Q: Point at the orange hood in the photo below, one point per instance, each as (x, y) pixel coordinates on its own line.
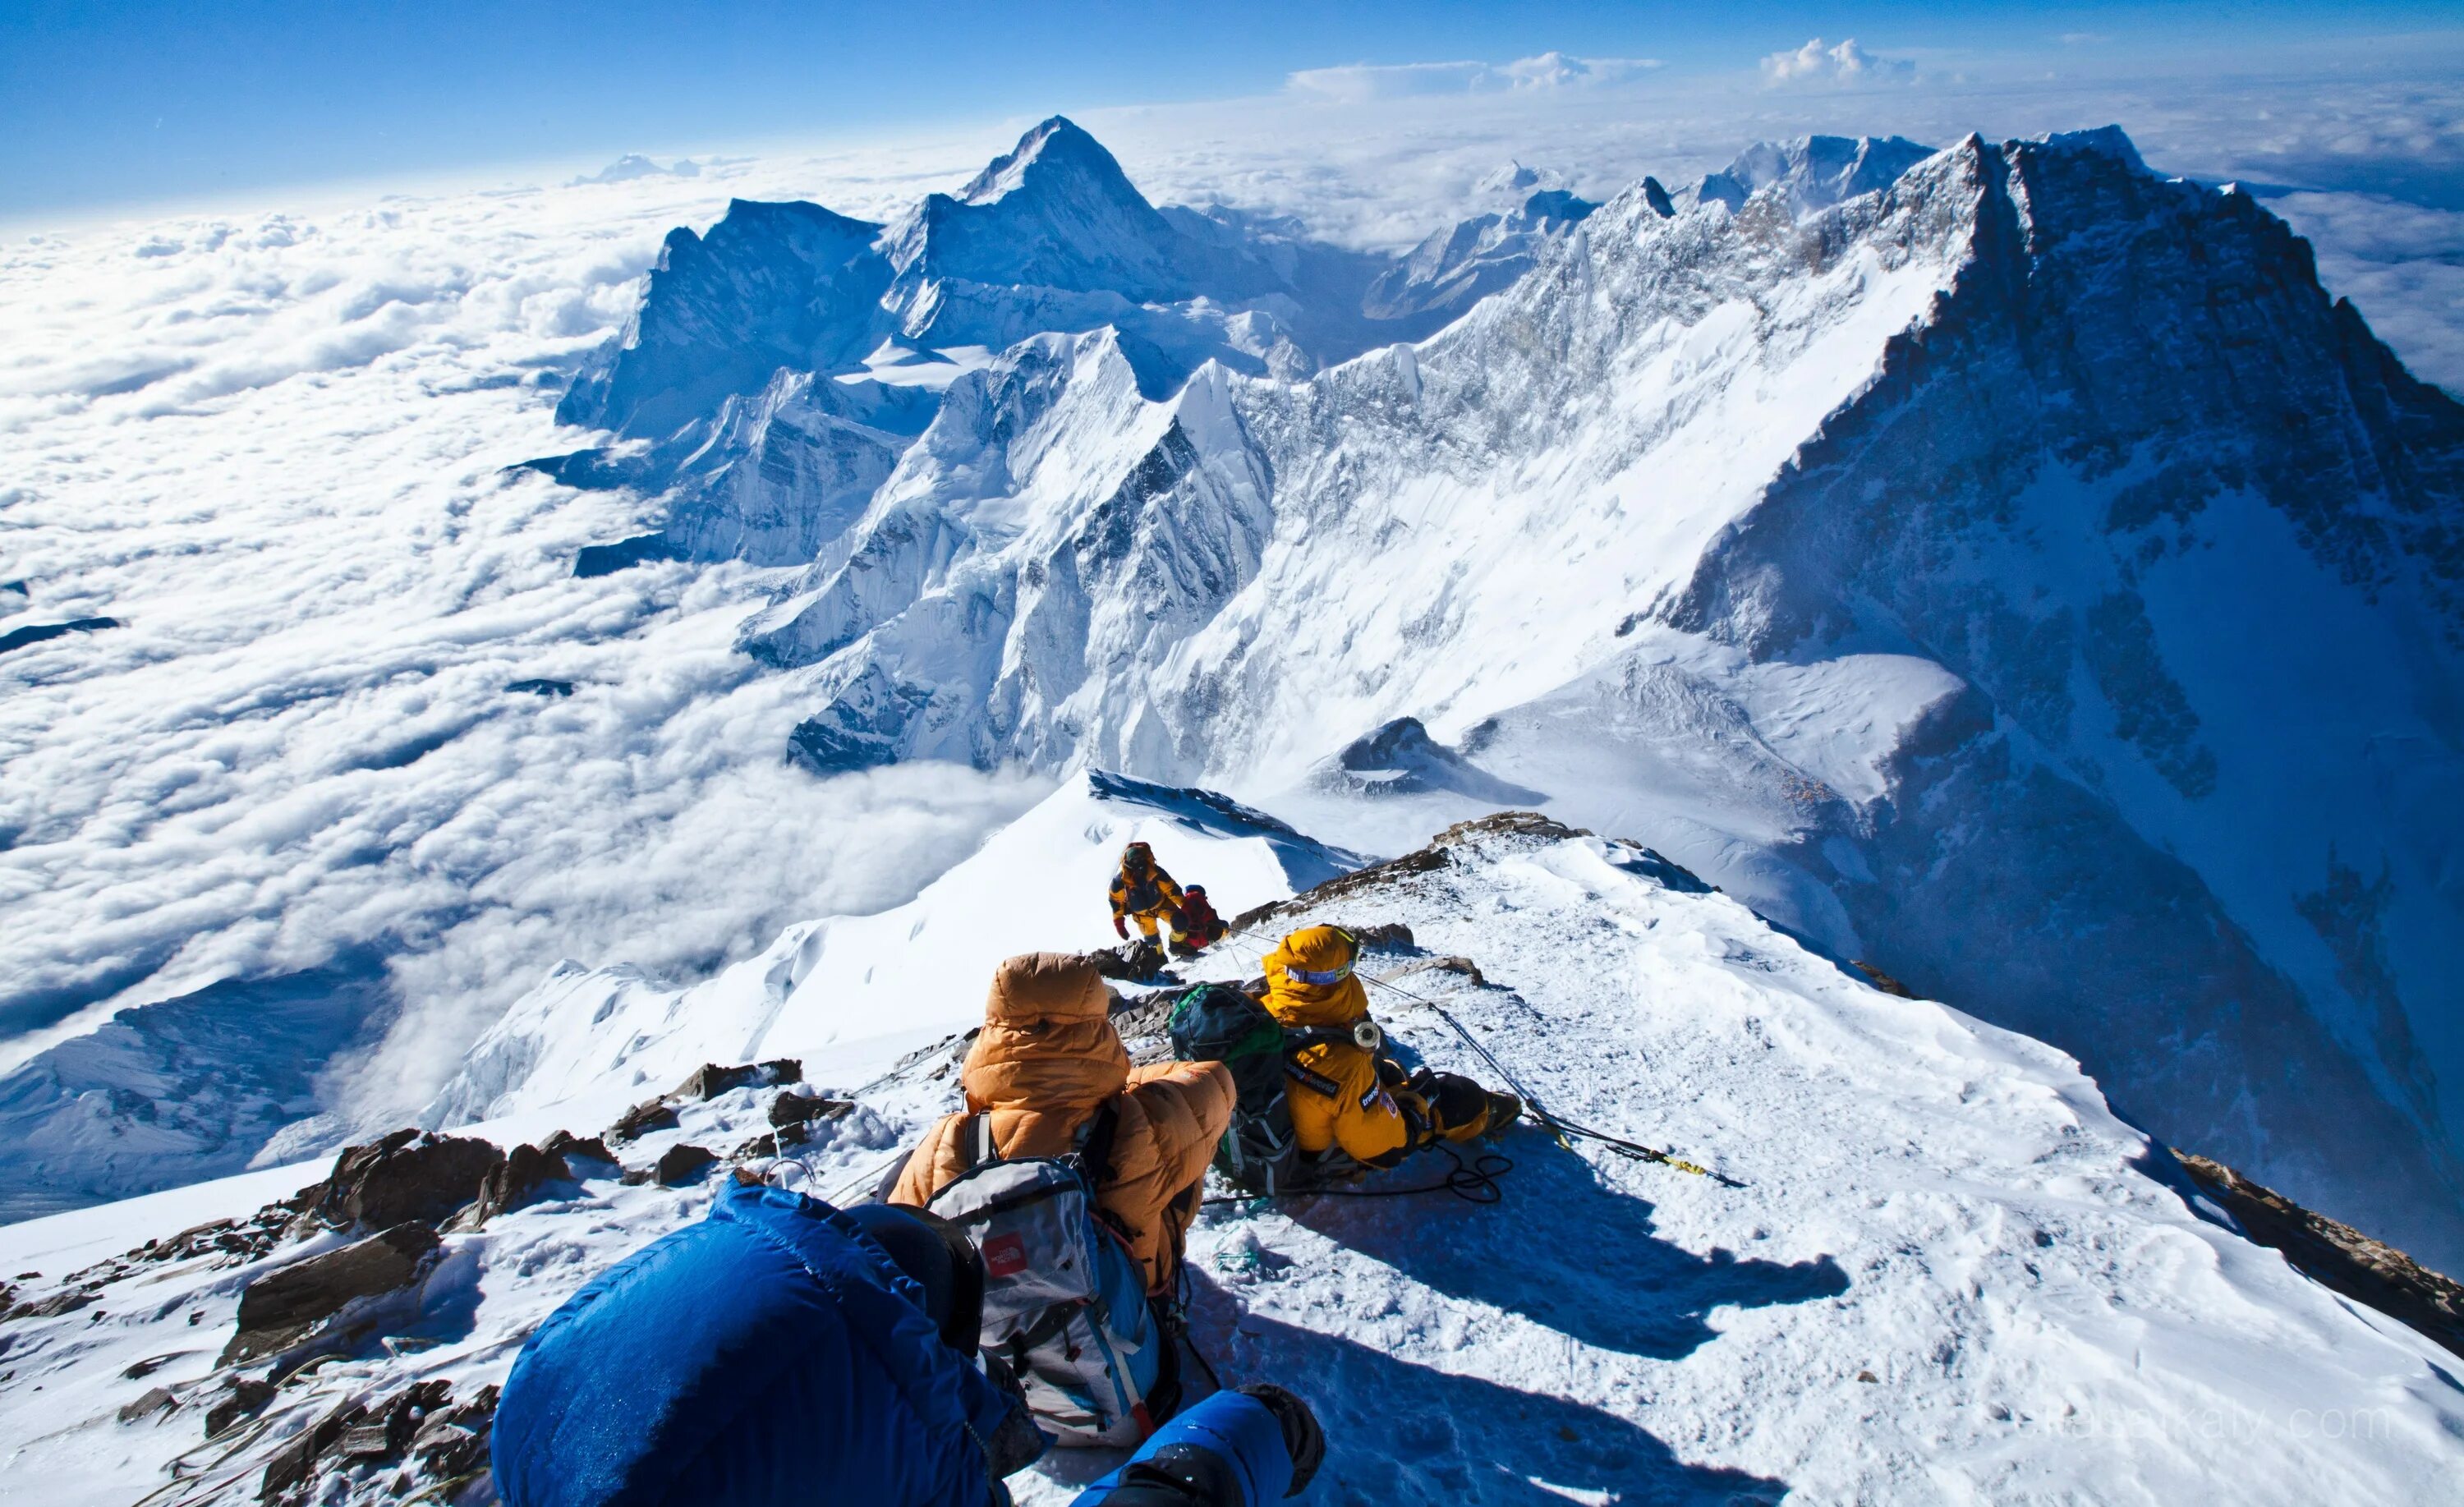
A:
(1047, 1048)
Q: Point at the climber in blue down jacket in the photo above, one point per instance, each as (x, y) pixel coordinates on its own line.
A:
(780, 1351)
(783, 1351)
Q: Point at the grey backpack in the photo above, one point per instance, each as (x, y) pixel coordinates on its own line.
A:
(1065, 1303)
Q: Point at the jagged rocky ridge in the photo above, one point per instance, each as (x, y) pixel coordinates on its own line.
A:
(2005, 564)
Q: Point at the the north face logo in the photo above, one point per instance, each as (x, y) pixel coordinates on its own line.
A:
(1005, 1256)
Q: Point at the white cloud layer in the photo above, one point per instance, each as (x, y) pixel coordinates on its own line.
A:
(1848, 63)
(1361, 84)
(272, 445)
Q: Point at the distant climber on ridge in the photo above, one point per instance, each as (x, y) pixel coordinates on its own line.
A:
(1142, 891)
(1201, 927)
(1344, 1095)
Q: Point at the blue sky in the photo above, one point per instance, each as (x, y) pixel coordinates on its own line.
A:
(167, 100)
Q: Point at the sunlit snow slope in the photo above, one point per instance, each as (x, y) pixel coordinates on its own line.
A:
(1950, 1274)
(861, 987)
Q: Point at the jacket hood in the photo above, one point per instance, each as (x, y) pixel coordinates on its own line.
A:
(1309, 980)
(1047, 1046)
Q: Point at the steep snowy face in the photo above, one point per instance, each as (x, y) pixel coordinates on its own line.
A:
(1456, 268)
(1055, 212)
(1253, 573)
(772, 285)
(787, 471)
(1812, 172)
(1048, 538)
(2190, 535)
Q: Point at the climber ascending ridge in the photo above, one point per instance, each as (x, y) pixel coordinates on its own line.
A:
(1343, 1093)
(1201, 927)
(1142, 891)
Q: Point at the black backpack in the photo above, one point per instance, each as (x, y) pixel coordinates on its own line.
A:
(1218, 1023)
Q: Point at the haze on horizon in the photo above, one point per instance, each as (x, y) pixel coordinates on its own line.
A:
(113, 109)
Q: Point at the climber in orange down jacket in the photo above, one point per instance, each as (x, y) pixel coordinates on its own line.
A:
(1046, 1060)
(1343, 1094)
(1142, 891)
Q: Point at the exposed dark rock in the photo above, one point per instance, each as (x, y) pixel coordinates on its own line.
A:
(413, 1423)
(650, 1114)
(452, 1442)
(710, 1079)
(409, 1174)
(573, 1147)
(157, 1400)
(284, 1307)
(296, 1461)
(1885, 981)
(606, 559)
(1651, 864)
(246, 1399)
(1389, 936)
(1133, 961)
(1469, 970)
(1400, 758)
(67, 1300)
(1144, 1024)
(539, 688)
(511, 1184)
(1523, 826)
(2337, 1256)
(43, 632)
(237, 1241)
(680, 1164)
(792, 1108)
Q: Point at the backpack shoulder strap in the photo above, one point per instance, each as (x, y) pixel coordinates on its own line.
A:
(975, 1143)
(1096, 1151)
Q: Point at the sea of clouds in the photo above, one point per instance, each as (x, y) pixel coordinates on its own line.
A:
(278, 443)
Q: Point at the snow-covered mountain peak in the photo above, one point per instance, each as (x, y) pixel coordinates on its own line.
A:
(1058, 158)
(1056, 212)
(1812, 172)
(2106, 141)
(1514, 179)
